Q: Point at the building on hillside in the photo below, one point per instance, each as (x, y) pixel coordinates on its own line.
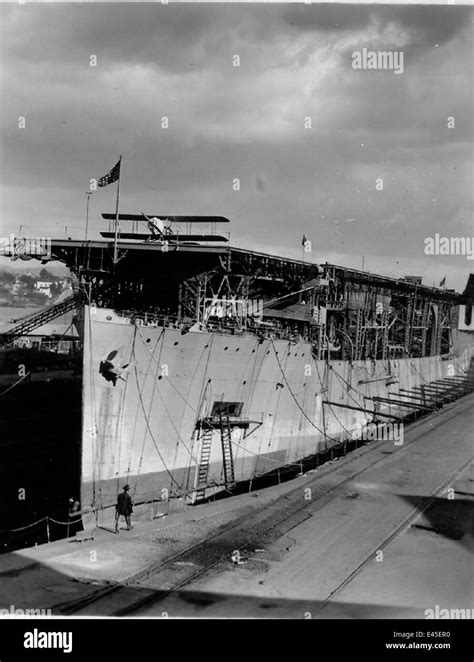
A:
(44, 286)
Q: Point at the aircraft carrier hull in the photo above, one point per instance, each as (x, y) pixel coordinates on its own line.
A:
(150, 392)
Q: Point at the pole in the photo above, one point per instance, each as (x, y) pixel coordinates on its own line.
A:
(412, 321)
(88, 193)
(117, 211)
(363, 261)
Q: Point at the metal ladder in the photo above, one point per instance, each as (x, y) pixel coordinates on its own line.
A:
(203, 469)
(227, 456)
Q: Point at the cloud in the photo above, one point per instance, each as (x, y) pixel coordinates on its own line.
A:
(247, 121)
(423, 25)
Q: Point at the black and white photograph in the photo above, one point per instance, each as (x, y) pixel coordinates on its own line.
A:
(236, 324)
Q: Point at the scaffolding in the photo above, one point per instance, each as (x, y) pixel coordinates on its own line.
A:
(346, 314)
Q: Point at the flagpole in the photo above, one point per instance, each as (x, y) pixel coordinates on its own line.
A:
(117, 212)
(88, 193)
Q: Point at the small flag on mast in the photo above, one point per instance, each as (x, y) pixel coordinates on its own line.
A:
(110, 177)
(442, 282)
(303, 242)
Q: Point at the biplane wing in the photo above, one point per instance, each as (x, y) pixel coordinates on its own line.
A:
(166, 217)
(179, 238)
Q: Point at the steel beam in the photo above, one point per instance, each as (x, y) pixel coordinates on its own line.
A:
(368, 411)
(400, 403)
(403, 395)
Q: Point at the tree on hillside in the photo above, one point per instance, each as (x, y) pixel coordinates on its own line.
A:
(46, 275)
(7, 277)
(28, 282)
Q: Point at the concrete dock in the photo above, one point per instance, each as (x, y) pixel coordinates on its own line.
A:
(385, 531)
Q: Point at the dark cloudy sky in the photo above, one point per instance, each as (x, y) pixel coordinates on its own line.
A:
(246, 122)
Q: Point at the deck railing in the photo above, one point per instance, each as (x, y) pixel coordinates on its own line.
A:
(267, 331)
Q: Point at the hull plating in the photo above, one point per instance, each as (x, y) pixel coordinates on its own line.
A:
(145, 388)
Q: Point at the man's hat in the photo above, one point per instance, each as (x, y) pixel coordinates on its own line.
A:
(126, 487)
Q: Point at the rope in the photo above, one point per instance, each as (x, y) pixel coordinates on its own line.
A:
(419, 373)
(161, 336)
(120, 426)
(215, 428)
(348, 432)
(193, 458)
(93, 411)
(28, 526)
(65, 523)
(15, 384)
(326, 436)
(151, 434)
(147, 415)
(46, 519)
(337, 444)
(351, 388)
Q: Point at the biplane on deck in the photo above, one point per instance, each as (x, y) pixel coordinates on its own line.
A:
(169, 233)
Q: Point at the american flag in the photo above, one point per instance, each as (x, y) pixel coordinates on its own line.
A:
(112, 176)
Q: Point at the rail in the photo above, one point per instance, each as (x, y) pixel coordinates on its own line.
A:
(265, 331)
(38, 319)
(240, 535)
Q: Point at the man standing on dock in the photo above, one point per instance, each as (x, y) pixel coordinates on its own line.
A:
(124, 507)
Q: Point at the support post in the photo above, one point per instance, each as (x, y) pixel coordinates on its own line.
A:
(117, 212)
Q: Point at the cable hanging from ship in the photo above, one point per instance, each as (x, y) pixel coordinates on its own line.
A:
(325, 435)
(339, 443)
(236, 443)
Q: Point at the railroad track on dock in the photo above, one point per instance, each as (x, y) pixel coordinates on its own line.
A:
(247, 531)
(419, 510)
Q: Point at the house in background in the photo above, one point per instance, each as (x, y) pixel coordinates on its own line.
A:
(44, 287)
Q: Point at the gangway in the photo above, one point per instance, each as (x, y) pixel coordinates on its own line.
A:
(43, 317)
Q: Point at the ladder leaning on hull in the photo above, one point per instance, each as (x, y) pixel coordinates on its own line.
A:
(203, 468)
(202, 475)
(227, 455)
